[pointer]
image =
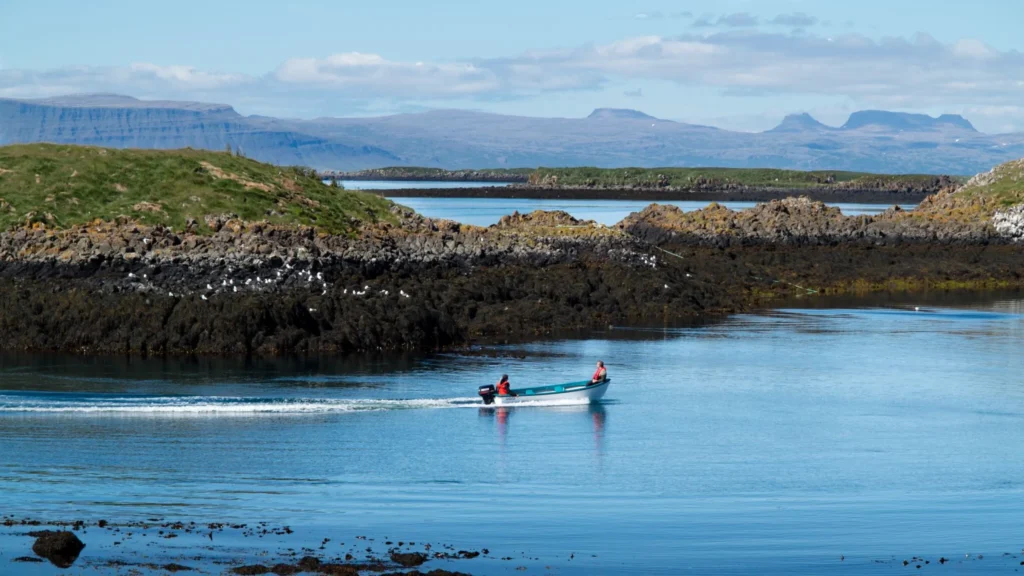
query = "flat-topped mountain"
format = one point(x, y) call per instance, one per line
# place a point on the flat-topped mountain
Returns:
point(899, 121)
point(877, 120)
point(105, 100)
point(871, 141)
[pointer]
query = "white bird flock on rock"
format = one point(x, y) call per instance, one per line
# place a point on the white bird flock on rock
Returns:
point(259, 282)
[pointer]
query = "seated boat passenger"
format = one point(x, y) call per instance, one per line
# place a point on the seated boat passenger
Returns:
point(504, 387)
point(601, 374)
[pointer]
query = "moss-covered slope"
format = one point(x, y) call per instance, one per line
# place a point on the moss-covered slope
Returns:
point(62, 185)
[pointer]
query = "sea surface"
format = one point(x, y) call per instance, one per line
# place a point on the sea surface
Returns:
point(827, 437)
point(487, 211)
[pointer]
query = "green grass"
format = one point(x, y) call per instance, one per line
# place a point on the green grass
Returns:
point(690, 177)
point(66, 185)
point(1004, 185)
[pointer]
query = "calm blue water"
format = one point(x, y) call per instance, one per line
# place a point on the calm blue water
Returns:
point(767, 444)
point(487, 211)
point(413, 184)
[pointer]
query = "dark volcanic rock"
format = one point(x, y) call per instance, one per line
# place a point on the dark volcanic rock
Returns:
point(60, 548)
point(437, 572)
point(252, 288)
point(250, 570)
point(285, 569)
point(408, 559)
point(338, 570)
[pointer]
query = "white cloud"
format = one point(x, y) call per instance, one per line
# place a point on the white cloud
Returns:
point(137, 79)
point(919, 72)
point(972, 49)
point(373, 75)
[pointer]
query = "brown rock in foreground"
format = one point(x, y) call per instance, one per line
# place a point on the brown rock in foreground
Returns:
point(408, 559)
point(60, 548)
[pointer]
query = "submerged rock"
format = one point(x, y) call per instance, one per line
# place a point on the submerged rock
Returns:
point(408, 559)
point(250, 570)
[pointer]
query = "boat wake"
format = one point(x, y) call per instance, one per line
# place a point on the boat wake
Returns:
point(58, 403)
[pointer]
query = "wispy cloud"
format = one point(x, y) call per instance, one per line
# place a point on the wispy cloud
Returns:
point(657, 15)
point(736, 20)
point(139, 78)
point(638, 93)
point(796, 20)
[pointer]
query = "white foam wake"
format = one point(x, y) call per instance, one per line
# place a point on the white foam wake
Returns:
point(214, 405)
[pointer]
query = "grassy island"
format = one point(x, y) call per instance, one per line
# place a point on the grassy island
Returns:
point(62, 185)
point(690, 178)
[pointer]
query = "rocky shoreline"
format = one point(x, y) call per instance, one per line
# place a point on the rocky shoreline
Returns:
point(421, 284)
point(252, 288)
point(156, 546)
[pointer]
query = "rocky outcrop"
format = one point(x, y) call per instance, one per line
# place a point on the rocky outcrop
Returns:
point(1009, 223)
point(799, 221)
point(408, 559)
point(254, 288)
point(237, 252)
point(60, 548)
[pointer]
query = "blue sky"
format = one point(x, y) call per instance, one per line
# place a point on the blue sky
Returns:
point(740, 64)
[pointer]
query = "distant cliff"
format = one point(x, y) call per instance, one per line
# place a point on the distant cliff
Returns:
point(871, 141)
point(129, 123)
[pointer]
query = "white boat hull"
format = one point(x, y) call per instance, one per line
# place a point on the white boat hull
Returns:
point(577, 395)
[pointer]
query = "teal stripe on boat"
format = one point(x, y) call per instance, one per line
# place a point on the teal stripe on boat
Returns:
point(556, 388)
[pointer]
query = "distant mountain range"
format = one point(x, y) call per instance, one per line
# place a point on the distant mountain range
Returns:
point(870, 141)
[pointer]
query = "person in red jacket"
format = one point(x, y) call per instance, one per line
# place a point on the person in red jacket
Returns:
point(504, 387)
point(600, 375)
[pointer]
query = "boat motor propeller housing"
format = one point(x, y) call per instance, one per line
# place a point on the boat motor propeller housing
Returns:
point(487, 393)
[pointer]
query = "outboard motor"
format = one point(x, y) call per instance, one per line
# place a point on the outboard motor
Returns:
point(487, 393)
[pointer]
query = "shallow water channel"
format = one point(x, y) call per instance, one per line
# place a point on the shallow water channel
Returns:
point(771, 443)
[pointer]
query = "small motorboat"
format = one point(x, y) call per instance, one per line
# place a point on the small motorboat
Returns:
point(583, 392)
